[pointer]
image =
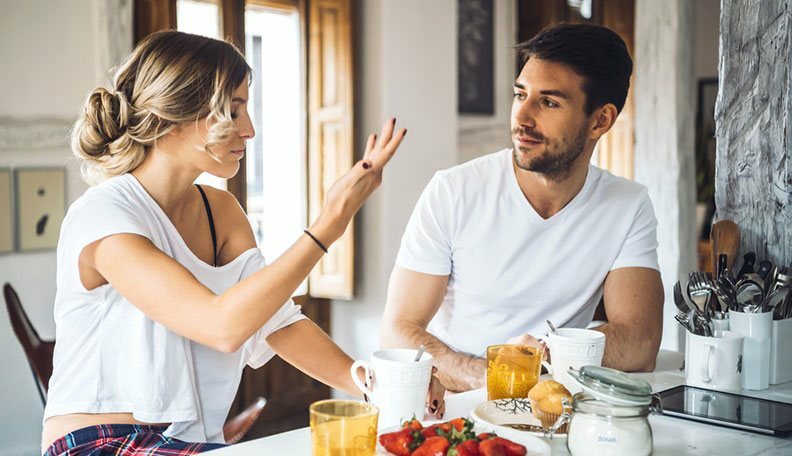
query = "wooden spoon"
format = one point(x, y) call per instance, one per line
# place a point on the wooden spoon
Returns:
point(724, 239)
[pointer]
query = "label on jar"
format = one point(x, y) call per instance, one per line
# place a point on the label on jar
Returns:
point(607, 439)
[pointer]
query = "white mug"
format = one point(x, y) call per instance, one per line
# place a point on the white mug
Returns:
point(575, 348)
point(714, 362)
point(757, 329)
point(398, 386)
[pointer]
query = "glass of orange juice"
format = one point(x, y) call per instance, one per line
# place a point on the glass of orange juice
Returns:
point(343, 428)
point(512, 370)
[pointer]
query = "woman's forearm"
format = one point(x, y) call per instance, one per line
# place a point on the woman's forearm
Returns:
point(305, 346)
point(249, 304)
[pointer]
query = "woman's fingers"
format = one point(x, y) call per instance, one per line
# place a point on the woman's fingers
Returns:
point(383, 156)
point(372, 141)
point(436, 397)
point(387, 132)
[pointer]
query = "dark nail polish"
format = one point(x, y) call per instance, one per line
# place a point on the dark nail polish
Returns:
point(434, 402)
point(432, 409)
point(394, 121)
point(405, 133)
point(366, 165)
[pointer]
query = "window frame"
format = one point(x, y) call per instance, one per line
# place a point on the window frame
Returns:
point(333, 277)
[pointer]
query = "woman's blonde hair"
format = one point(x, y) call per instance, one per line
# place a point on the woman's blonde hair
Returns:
point(170, 78)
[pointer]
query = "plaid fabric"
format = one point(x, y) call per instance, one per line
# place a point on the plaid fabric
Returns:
point(124, 439)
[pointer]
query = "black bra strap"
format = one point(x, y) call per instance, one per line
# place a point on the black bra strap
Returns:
point(211, 222)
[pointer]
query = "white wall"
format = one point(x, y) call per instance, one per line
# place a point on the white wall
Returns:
point(664, 139)
point(49, 65)
point(406, 67)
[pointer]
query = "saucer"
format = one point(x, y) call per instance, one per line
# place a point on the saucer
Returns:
point(494, 414)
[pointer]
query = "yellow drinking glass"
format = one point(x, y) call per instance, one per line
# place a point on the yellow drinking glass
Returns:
point(343, 428)
point(512, 370)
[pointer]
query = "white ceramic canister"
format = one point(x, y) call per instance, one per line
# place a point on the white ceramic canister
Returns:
point(610, 416)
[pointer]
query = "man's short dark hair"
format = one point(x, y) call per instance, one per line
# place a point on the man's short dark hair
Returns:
point(596, 53)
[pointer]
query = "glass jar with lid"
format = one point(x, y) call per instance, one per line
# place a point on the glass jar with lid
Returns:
point(610, 415)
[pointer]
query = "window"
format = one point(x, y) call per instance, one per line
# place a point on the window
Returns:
point(276, 171)
point(302, 114)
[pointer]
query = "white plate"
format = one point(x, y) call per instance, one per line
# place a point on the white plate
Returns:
point(494, 414)
point(534, 445)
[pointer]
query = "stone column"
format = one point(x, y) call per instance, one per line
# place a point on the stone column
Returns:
point(753, 118)
point(664, 145)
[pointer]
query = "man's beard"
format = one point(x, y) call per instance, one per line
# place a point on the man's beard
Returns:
point(559, 155)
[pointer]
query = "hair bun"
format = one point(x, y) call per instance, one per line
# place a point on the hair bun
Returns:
point(100, 137)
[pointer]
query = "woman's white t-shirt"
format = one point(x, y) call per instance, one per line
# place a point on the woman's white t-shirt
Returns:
point(111, 358)
point(509, 269)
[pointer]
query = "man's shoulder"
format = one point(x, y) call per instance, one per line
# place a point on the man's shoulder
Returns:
point(617, 188)
point(478, 171)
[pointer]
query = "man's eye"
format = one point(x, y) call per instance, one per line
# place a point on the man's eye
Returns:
point(550, 103)
point(519, 96)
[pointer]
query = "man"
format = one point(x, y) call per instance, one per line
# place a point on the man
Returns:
point(500, 244)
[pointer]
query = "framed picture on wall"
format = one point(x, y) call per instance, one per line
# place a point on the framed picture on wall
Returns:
point(6, 212)
point(705, 139)
point(475, 48)
point(40, 207)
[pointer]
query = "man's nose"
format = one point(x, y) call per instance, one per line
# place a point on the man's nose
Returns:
point(525, 115)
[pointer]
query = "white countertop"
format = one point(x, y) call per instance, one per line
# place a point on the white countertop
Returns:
point(672, 436)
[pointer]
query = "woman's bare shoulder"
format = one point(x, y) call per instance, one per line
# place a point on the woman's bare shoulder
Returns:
point(235, 235)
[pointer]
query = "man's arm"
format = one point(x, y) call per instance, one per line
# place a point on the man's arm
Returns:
point(634, 305)
point(413, 299)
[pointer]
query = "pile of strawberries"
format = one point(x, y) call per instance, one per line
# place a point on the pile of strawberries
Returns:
point(452, 438)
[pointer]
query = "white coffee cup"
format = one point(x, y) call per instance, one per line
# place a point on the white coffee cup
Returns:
point(575, 348)
point(398, 384)
point(714, 362)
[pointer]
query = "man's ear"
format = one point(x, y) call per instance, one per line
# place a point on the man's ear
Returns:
point(603, 120)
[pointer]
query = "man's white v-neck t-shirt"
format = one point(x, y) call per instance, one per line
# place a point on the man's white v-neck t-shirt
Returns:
point(509, 269)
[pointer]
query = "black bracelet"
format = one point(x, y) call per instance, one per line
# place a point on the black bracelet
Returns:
point(318, 242)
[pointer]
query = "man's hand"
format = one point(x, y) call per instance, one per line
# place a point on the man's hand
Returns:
point(531, 341)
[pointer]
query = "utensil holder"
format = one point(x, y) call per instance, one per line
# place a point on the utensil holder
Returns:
point(757, 329)
point(780, 353)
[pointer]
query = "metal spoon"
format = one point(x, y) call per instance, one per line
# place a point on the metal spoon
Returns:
point(419, 354)
point(552, 328)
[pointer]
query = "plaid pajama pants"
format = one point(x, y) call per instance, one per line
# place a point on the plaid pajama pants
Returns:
point(126, 440)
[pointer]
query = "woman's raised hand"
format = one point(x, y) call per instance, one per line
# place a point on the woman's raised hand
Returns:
point(348, 193)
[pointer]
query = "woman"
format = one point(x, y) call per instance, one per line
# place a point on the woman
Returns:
point(163, 297)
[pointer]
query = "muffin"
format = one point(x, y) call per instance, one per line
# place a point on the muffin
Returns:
point(547, 402)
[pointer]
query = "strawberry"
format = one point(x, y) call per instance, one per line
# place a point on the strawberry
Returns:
point(460, 424)
point(491, 447)
point(430, 431)
point(466, 448)
point(412, 424)
point(398, 442)
point(511, 448)
point(433, 446)
point(486, 436)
